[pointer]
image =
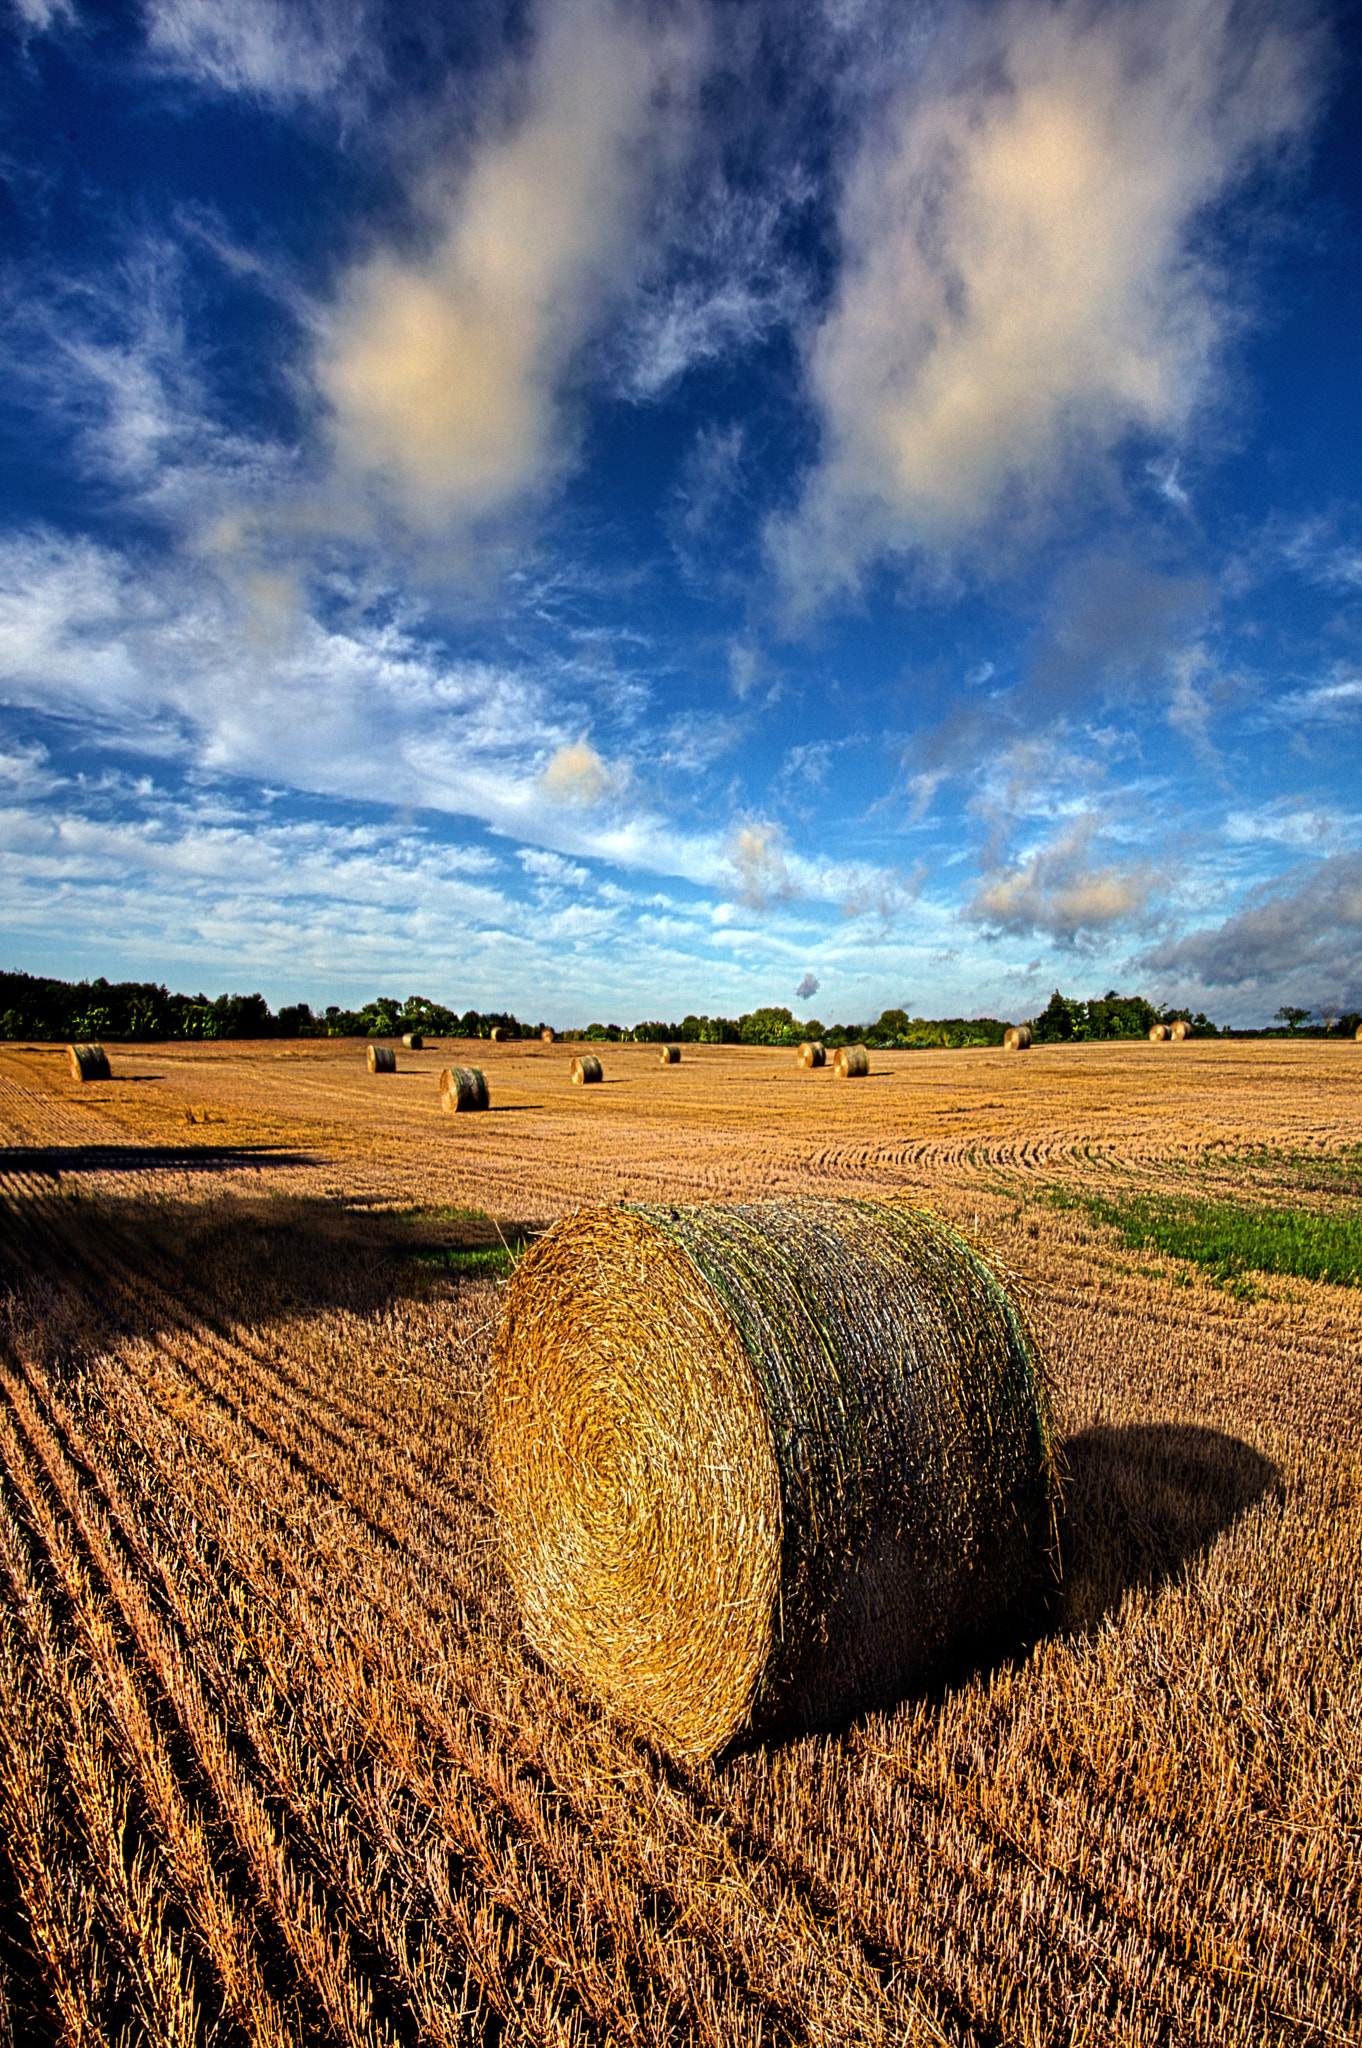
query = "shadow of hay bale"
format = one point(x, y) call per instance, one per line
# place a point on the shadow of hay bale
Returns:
point(1143, 1500)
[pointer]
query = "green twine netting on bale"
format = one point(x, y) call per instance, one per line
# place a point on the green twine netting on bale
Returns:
point(763, 1464)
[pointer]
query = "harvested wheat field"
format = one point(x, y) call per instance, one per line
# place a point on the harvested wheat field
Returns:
point(277, 1763)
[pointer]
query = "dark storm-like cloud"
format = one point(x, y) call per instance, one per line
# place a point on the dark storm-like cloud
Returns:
point(1304, 928)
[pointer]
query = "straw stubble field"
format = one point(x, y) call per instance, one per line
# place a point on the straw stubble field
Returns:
point(276, 1763)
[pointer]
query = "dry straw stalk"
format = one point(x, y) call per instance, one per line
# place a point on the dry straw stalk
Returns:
point(463, 1088)
point(381, 1059)
point(765, 1463)
point(88, 1063)
point(850, 1062)
point(586, 1067)
point(1017, 1038)
point(811, 1053)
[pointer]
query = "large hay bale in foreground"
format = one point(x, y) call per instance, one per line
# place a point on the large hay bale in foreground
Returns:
point(669, 1056)
point(1181, 1030)
point(811, 1053)
point(88, 1063)
point(1017, 1038)
point(585, 1068)
point(1159, 1034)
point(463, 1088)
point(413, 1041)
point(381, 1059)
point(767, 1463)
point(850, 1061)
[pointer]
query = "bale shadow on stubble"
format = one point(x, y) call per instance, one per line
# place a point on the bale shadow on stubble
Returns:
point(1141, 1502)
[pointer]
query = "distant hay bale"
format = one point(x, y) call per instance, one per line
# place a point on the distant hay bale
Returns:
point(1159, 1034)
point(765, 1464)
point(669, 1056)
point(1017, 1038)
point(850, 1062)
point(546, 1035)
point(382, 1059)
point(413, 1041)
point(496, 1034)
point(811, 1053)
point(1181, 1029)
point(1358, 1034)
point(88, 1063)
point(463, 1088)
point(586, 1067)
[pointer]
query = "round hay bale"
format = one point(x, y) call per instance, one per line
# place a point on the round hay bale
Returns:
point(1358, 1034)
point(1017, 1038)
point(88, 1063)
point(765, 1464)
point(1159, 1034)
point(463, 1088)
point(850, 1061)
point(381, 1058)
point(1181, 1030)
point(413, 1041)
point(496, 1034)
point(811, 1053)
point(670, 1056)
point(546, 1036)
point(586, 1067)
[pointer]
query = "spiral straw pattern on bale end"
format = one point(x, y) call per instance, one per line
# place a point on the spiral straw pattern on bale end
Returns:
point(1017, 1038)
point(811, 1053)
point(88, 1063)
point(850, 1062)
point(413, 1041)
point(381, 1059)
point(1159, 1034)
point(586, 1068)
point(669, 1056)
point(765, 1464)
point(463, 1088)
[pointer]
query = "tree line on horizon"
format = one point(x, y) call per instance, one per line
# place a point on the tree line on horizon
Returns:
point(43, 1008)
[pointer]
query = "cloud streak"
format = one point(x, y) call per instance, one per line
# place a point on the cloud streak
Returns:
point(447, 372)
point(1020, 288)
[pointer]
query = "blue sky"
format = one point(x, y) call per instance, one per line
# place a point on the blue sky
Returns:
point(609, 508)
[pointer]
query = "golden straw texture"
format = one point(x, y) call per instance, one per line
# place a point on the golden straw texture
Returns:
point(1017, 1038)
point(764, 1463)
point(88, 1063)
point(463, 1088)
point(811, 1053)
point(850, 1062)
point(382, 1059)
point(586, 1067)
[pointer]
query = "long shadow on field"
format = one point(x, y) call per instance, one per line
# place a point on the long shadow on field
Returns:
point(226, 1254)
point(52, 1161)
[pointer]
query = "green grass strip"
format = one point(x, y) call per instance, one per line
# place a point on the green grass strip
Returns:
point(1229, 1240)
point(493, 1263)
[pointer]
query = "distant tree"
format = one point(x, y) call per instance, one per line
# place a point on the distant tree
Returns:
point(1292, 1016)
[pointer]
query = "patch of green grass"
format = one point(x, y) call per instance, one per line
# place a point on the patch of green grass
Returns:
point(492, 1262)
point(1328, 1173)
point(1230, 1240)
